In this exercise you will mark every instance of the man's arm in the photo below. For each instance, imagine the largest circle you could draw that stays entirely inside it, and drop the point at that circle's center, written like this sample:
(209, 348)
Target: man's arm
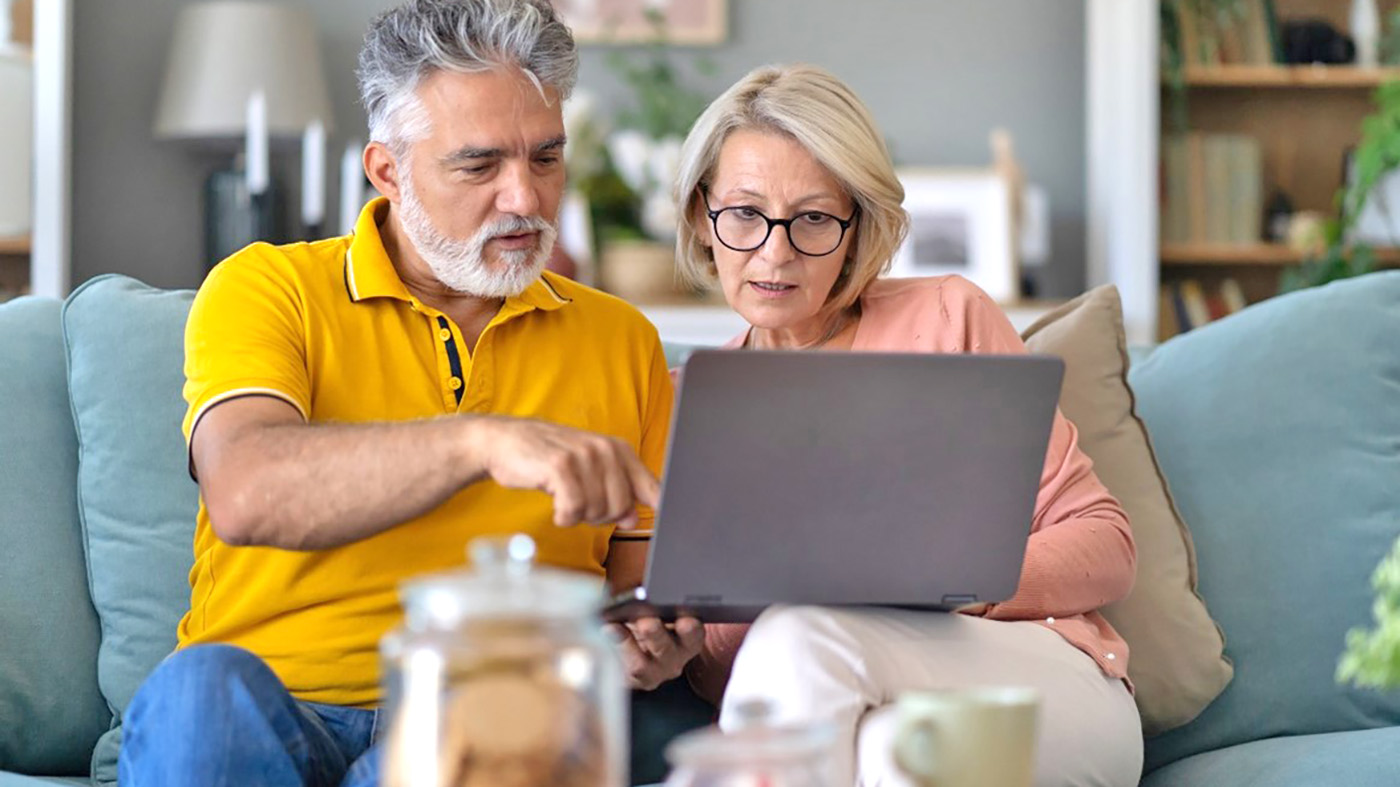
(270, 479)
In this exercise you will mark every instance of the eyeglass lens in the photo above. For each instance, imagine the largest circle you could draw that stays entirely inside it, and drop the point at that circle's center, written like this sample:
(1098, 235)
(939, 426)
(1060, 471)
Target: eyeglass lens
(745, 229)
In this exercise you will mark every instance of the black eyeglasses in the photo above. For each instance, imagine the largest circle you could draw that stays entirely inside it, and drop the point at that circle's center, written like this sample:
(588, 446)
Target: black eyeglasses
(811, 232)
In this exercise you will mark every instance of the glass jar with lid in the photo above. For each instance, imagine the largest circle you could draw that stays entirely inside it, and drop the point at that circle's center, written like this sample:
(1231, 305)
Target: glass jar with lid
(503, 676)
(758, 753)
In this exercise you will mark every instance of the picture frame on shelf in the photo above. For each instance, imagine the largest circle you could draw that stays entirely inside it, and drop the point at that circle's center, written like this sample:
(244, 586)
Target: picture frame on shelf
(961, 222)
(686, 22)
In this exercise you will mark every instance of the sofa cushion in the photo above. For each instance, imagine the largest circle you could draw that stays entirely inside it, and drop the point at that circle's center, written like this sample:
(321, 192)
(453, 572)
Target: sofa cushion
(1175, 648)
(16, 780)
(1360, 758)
(51, 711)
(1278, 428)
(137, 503)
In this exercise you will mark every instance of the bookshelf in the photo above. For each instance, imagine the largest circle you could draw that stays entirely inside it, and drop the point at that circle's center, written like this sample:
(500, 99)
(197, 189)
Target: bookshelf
(14, 245)
(1314, 76)
(1302, 120)
(1256, 255)
(14, 266)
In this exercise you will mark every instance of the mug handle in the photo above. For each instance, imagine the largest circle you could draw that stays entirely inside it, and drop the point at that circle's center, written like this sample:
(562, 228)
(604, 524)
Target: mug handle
(920, 734)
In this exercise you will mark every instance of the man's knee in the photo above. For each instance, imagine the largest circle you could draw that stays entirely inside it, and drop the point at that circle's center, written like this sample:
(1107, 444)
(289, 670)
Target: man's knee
(210, 664)
(197, 675)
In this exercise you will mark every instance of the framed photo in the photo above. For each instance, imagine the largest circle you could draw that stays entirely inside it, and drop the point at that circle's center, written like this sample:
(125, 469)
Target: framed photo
(694, 22)
(960, 222)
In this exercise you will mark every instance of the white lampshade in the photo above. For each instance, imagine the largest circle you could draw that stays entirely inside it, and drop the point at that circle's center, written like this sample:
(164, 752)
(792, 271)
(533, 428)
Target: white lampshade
(222, 52)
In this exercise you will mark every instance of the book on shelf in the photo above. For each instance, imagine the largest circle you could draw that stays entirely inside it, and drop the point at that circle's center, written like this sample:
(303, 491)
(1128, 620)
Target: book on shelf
(1194, 299)
(1217, 149)
(1233, 295)
(1188, 304)
(1248, 37)
(1213, 190)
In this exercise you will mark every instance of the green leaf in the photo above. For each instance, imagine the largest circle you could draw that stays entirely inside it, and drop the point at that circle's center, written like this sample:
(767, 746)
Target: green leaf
(1372, 657)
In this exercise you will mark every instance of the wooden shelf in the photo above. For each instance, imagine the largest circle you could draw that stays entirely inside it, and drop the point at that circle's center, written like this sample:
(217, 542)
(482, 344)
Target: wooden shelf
(1262, 254)
(1317, 76)
(14, 244)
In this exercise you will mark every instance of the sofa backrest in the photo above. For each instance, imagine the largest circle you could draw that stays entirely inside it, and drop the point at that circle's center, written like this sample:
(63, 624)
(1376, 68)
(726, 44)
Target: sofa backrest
(51, 711)
(1278, 428)
(125, 350)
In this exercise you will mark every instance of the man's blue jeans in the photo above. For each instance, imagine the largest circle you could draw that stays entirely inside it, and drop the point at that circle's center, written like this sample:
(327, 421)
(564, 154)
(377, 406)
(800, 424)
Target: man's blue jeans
(217, 715)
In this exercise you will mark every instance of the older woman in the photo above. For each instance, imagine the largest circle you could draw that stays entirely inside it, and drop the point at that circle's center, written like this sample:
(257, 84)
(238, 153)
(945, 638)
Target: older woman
(789, 203)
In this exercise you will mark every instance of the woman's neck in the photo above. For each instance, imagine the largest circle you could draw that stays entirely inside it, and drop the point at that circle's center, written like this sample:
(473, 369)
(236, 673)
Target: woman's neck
(832, 332)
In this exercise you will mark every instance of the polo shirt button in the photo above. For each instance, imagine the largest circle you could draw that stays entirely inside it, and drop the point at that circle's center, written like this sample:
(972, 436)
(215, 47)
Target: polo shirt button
(445, 335)
(454, 383)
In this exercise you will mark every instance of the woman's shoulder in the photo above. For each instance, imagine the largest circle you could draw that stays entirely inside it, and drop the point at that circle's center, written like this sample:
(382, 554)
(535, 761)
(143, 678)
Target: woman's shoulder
(947, 295)
(937, 313)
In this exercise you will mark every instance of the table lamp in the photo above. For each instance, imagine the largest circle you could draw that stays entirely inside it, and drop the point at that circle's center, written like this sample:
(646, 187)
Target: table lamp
(249, 71)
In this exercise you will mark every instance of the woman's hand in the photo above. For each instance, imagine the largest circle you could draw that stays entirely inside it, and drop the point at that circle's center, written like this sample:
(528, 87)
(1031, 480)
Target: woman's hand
(654, 652)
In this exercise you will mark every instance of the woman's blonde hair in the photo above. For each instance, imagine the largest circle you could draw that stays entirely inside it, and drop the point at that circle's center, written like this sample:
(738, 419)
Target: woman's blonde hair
(824, 116)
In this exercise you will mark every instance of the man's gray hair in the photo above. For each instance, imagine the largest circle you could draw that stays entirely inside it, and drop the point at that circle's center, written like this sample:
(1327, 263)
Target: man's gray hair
(406, 44)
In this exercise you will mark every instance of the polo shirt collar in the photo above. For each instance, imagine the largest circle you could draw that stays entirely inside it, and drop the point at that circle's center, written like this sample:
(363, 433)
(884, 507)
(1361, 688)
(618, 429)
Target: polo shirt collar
(369, 273)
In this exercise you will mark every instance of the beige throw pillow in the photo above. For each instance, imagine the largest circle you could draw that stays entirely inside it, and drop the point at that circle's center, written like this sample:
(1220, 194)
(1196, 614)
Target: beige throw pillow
(1176, 656)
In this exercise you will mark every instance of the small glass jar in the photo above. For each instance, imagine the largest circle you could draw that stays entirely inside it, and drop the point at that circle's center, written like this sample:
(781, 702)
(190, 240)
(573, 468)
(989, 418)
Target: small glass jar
(757, 754)
(503, 676)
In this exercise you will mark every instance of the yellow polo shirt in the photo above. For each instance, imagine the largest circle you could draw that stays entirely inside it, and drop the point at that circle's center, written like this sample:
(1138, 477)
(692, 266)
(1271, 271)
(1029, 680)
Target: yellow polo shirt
(330, 328)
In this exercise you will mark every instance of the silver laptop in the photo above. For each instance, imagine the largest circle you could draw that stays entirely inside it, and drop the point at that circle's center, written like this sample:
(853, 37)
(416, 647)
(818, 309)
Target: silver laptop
(894, 479)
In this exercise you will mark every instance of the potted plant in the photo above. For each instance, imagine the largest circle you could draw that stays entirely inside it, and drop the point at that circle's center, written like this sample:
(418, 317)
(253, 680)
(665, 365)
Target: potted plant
(625, 168)
(1372, 658)
(1376, 157)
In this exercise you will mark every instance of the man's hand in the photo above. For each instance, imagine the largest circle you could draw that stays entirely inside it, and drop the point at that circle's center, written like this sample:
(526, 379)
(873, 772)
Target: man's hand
(592, 477)
(653, 653)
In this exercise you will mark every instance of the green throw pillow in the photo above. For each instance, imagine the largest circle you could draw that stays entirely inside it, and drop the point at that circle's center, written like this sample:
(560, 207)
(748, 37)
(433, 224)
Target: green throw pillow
(50, 709)
(125, 345)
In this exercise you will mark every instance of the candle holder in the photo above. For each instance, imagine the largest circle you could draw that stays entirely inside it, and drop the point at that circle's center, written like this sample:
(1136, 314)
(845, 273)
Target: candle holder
(247, 71)
(234, 217)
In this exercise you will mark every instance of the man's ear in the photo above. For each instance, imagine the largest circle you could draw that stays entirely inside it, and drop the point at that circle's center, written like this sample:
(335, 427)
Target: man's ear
(383, 170)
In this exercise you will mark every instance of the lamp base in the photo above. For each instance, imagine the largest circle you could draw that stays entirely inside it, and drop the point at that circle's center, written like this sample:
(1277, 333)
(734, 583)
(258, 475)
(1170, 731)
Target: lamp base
(234, 218)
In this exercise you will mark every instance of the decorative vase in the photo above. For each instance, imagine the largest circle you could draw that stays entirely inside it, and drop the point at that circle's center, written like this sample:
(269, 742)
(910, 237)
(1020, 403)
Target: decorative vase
(1366, 32)
(641, 271)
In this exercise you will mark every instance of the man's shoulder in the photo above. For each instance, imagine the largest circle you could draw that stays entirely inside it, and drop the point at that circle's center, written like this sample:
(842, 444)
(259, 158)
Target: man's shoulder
(598, 307)
(299, 266)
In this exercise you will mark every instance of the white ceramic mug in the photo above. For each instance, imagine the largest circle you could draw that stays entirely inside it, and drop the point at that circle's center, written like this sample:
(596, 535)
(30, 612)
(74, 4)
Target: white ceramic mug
(973, 737)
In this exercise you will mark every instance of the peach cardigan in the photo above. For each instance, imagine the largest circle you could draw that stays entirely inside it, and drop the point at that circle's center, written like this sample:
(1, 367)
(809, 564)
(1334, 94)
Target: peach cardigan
(1080, 555)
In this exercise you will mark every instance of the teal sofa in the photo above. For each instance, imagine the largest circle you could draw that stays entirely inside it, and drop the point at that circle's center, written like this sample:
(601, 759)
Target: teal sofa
(1278, 429)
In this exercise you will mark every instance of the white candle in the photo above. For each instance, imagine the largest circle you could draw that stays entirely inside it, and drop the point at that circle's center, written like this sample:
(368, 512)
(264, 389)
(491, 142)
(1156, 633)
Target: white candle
(352, 194)
(313, 174)
(255, 153)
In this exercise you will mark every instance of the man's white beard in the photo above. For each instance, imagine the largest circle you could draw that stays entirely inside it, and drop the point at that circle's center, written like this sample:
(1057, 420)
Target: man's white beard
(461, 265)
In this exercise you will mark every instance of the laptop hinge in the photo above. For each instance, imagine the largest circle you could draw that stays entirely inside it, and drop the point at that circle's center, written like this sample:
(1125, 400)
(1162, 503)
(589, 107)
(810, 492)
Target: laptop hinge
(959, 599)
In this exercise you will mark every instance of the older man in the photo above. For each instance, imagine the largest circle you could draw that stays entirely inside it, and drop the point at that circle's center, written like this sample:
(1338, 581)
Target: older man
(362, 407)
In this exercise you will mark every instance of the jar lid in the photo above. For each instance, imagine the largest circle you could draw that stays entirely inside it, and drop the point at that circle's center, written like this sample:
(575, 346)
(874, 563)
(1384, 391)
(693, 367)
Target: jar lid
(755, 742)
(503, 582)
